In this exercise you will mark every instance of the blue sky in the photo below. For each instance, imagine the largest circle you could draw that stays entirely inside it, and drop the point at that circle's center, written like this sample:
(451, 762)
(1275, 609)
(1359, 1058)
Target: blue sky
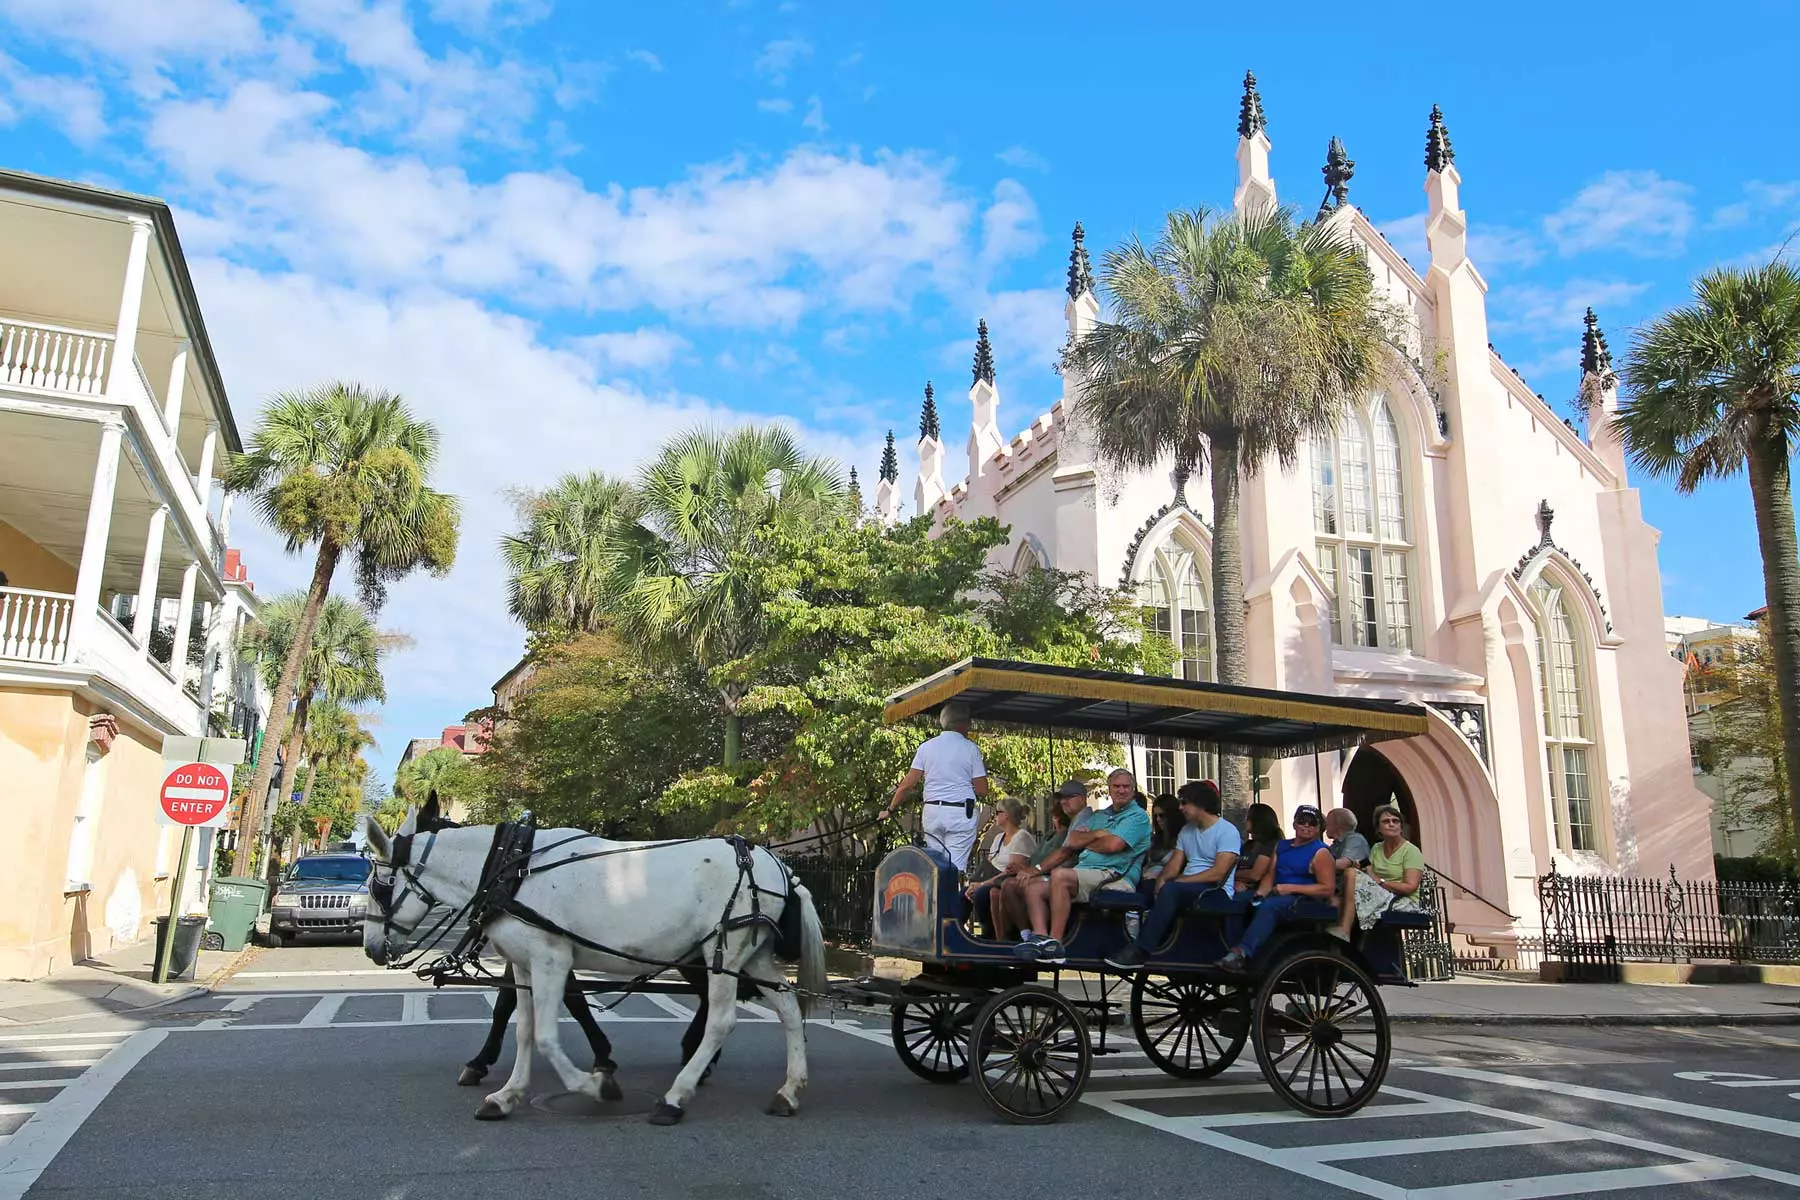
(565, 231)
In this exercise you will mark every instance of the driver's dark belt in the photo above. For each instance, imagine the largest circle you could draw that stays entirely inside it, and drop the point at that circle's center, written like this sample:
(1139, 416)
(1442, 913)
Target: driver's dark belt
(968, 806)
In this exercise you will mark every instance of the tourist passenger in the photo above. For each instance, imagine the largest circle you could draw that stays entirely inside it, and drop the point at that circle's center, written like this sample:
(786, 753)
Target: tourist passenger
(1205, 856)
(1262, 832)
(1166, 823)
(1008, 903)
(955, 777)
(1396, 869)
(1109, 845)
(1303, 869)
(1348, 847)
(1011, 840)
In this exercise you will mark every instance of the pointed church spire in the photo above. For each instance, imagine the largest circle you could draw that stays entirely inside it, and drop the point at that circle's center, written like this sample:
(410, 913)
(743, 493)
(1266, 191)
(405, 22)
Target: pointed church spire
(1338, 170)
(1438, 153)
(1596, 358)
(1081, 275)
(984, 355)
(890, 460)
(928, 418)
(1250, 110)
(854, 493)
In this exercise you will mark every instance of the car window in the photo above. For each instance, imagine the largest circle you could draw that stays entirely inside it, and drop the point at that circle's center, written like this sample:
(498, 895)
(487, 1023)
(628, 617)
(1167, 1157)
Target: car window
(332, 870)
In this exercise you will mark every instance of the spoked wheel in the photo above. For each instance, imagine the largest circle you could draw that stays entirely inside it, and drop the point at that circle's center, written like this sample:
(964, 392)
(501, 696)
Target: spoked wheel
(932, 1037)
(1029, 1047)
(1321, 1033)
(1190, 1027)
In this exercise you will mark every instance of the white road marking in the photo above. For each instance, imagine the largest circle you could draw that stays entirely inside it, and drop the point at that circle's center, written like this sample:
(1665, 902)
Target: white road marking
(42, 1137)
(1674, 1108)
(13, 1110)
(22, 1085)
(322, 1012)
(316, 974)
(236, 1005)
(49, 1064)
(66, 1037)
(412, 1008)
(670, 1005)
(57, 1049)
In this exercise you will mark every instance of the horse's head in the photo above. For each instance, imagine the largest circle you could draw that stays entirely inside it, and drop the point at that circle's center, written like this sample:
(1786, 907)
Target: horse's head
(399, 899)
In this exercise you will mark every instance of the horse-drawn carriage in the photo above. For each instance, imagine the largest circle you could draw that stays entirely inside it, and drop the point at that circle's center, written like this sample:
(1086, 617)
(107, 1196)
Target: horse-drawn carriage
(1308, 1002)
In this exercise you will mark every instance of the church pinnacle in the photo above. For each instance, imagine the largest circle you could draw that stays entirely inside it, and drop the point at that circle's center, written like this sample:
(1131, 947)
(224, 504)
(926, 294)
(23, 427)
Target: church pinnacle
(1250, 110)
(984, 355)
(1081, 275)
(854, 493)
(1438, 153)
(928, 417)
(1596, 358)
(1338, 171)
(890, 460)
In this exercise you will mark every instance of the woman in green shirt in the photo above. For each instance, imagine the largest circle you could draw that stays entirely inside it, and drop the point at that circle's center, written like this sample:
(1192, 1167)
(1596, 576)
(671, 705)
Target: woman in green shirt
(1396, 869)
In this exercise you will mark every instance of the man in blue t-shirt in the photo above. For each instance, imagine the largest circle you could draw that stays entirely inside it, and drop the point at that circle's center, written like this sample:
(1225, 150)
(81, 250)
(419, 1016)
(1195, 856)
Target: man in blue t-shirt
(1112, 842)
(1205, 859)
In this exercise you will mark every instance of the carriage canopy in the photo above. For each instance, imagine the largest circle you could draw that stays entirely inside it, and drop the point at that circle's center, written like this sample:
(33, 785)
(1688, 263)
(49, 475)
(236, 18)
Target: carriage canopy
(1237, 720)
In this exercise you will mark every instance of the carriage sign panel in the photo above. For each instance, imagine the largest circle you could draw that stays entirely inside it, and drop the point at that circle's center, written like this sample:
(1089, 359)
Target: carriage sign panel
(196, 794)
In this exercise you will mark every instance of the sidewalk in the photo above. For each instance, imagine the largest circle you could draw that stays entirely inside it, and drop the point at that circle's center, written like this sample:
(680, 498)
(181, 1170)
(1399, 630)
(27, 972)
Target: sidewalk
(1476, 1001)
(114, 983)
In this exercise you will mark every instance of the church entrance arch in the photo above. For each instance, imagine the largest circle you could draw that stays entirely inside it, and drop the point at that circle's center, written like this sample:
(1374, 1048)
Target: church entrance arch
(1371, 782)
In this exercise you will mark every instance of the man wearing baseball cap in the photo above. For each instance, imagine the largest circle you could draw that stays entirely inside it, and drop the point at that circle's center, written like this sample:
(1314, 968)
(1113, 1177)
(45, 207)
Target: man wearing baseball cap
(1303, 868)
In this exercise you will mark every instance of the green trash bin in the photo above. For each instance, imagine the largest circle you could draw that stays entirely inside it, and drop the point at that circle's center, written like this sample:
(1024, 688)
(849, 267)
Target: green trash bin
(237, 900)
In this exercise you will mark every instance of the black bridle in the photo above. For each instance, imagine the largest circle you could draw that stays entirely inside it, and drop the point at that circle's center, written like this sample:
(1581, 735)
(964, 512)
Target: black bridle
(401, 867)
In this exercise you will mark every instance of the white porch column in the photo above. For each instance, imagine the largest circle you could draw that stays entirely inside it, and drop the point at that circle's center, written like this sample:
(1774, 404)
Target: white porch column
(214, 625)
(143, 618)
(177, 384)
(225, 521)
(184, 620)
(93, 543)
(203, 480)
(131, 300)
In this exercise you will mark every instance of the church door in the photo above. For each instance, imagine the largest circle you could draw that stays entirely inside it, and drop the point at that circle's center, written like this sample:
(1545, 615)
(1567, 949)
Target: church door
(1372, 782)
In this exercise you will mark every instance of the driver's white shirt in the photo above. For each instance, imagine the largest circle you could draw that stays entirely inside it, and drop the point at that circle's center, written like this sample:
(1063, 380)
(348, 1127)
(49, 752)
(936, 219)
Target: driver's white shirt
(951, 763)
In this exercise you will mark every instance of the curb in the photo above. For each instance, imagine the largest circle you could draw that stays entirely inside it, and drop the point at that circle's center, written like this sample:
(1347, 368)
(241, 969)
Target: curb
(1641, 1020)
(192, 991)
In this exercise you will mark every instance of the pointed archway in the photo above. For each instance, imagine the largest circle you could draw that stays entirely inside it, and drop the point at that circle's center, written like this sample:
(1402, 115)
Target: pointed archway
(1371, 782)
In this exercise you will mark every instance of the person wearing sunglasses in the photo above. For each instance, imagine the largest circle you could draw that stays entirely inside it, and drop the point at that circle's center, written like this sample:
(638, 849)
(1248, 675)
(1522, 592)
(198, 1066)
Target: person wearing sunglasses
(1303, 868)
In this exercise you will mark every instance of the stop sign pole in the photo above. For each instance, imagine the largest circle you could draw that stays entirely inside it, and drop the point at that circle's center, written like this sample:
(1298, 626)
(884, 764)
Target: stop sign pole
(193, 794)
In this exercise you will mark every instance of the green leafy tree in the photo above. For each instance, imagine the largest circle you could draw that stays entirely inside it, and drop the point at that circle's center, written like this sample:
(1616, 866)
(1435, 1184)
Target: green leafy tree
(1743, 746)
(1233, 339)
(1713, 388)
(345, 470)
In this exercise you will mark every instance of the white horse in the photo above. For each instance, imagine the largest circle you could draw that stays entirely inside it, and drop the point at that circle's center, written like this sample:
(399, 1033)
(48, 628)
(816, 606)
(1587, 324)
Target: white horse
(652, 902)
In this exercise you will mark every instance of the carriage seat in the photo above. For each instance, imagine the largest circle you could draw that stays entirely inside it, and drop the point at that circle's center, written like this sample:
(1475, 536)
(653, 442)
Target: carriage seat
(1310, 908)
(1414, 919)
(1120, 900)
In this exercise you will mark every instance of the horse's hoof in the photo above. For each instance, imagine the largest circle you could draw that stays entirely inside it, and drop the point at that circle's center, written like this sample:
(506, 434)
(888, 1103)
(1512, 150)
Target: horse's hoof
(470, 1077)
(779, 1107)
(665, 1114)
(610, 1089)
(489, 1111)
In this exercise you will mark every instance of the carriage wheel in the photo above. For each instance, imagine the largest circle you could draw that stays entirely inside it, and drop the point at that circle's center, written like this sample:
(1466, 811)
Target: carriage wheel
(1029, 1047)
(1321, 1033)
(932, 1037)
(1190, 1027)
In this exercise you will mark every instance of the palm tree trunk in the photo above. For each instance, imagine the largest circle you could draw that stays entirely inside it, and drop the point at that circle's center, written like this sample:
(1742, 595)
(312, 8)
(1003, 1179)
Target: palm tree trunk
(295, 744)
(1228, 598)
(251, 825)
(1772, 496)
(312, 775)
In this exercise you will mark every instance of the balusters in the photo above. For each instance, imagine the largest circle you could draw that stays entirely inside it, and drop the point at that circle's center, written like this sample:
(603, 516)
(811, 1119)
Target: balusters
(55, 359)
(34, 626)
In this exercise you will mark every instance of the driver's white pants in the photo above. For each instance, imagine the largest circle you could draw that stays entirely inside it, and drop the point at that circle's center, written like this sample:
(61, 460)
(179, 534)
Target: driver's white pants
(955, 842)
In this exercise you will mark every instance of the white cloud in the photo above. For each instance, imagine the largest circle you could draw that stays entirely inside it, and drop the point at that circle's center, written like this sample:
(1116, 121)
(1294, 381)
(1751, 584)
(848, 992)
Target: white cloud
(1009, 225)
(778, 57)
(477, 15)
(1494, 246)
(74, 106)
(1021, 159)
(646, 58)
(1553, 313)
(815, 116)
(775, 104)
(1028, 330)
(145, 38)
(1759, 198)
(1638, 212)
(633, 350)
(1407, 235)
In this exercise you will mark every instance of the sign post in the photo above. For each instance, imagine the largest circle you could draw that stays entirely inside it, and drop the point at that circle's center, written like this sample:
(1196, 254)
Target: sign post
(195, 794)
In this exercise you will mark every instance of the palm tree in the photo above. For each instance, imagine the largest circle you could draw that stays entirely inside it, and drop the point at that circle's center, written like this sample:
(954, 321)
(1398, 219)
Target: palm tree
(1714, 388)
(1235, 337)
(434, 771)
(335, 741)
(344, 469)
(667, 559)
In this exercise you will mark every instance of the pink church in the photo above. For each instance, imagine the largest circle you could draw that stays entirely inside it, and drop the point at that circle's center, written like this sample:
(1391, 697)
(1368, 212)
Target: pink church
(1456, 544)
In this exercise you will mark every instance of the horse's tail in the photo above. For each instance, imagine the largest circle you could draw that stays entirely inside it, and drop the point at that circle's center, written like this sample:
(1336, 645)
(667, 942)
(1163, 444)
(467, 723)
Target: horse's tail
(812, 977)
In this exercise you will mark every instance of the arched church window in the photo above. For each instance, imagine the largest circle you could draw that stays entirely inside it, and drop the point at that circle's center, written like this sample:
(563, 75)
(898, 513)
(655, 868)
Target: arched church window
(1568, 729)
(1359, 517)
(1174, 599)
(1026, 559)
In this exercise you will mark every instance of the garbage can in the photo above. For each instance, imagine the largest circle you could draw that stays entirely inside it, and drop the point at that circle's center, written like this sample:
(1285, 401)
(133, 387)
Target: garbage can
(187, 944)
(236, 902)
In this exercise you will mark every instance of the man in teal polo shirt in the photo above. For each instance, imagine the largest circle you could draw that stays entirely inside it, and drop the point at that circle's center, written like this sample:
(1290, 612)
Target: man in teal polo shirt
(1112, 842)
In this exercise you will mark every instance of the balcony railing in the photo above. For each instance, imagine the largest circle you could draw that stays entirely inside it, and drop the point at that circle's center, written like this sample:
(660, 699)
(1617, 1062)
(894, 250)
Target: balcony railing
(52, 358)
(34, 626)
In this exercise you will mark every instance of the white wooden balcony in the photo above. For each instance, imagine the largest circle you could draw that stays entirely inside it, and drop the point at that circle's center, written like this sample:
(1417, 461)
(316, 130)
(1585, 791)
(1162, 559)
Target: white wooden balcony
(53, 358)
(39, 641)
(34, 626)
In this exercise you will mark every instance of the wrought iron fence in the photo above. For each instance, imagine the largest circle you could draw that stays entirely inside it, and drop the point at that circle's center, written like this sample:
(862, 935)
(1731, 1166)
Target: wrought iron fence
(1428, 952)
(843, 891)
(1596, 922)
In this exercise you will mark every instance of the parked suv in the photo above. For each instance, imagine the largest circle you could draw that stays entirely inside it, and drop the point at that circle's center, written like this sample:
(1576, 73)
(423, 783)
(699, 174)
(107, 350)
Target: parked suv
(321, 894)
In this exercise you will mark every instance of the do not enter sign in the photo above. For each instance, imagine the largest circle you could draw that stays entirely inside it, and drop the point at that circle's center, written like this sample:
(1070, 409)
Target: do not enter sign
(195, 794)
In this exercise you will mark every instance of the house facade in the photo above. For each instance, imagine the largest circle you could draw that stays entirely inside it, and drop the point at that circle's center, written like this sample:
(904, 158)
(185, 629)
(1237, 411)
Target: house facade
(1456, 544)
(1706, 649)
(118, 616)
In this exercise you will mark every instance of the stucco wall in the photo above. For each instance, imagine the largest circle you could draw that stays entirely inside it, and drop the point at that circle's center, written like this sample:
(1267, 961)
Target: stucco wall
(29, 565)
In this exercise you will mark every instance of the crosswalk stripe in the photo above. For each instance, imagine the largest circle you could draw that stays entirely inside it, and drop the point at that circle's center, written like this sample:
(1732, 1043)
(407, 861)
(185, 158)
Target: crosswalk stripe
(49, 1063)
(1586, 1183)
(322, 1012)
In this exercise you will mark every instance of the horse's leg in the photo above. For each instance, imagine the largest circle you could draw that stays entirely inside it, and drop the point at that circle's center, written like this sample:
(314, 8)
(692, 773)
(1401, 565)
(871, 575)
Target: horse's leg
(550, 974)
(575, 1000)
(787, 1007)
(720, 1018)
(497, 1106)
(690, 1041)
(476, 1069)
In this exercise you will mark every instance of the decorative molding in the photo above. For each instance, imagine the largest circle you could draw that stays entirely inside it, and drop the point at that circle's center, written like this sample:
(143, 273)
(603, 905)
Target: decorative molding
(1143, 531)
(1469, 720)
(1546, 515)
(103, 730)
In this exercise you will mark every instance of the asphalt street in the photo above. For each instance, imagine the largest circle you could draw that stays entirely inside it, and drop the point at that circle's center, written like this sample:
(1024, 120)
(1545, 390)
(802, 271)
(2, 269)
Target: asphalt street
(312, 1074)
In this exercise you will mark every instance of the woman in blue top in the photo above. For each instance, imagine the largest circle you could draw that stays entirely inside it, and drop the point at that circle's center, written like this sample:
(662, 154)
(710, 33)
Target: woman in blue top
(1303, 867)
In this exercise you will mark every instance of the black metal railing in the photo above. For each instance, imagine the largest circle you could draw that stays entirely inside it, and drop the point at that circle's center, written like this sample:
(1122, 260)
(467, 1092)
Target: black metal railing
(1428, 951)
(1596, 922)
(843, 891)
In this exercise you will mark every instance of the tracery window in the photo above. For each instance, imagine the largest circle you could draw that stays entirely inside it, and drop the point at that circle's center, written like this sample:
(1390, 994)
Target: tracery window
(1359, 516)
(1173, 596)
(1568, 728)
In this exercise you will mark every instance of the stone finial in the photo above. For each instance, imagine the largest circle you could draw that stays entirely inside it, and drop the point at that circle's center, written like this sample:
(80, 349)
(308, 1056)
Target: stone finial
(1596, 358)
(890, 460)
(1081, 275)
(984, 355)
(1438, 153)
(855, 492)
(928, 417)
(1251, 120)
(1545, 515)
(1338, 170)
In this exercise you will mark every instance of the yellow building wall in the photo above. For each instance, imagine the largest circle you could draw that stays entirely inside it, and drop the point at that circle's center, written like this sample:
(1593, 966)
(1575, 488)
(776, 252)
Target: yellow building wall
(43, 763)
(29, 565)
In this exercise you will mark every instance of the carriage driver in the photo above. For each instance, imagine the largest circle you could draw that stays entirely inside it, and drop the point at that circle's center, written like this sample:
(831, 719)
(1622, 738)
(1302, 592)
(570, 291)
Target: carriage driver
(955, 781)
